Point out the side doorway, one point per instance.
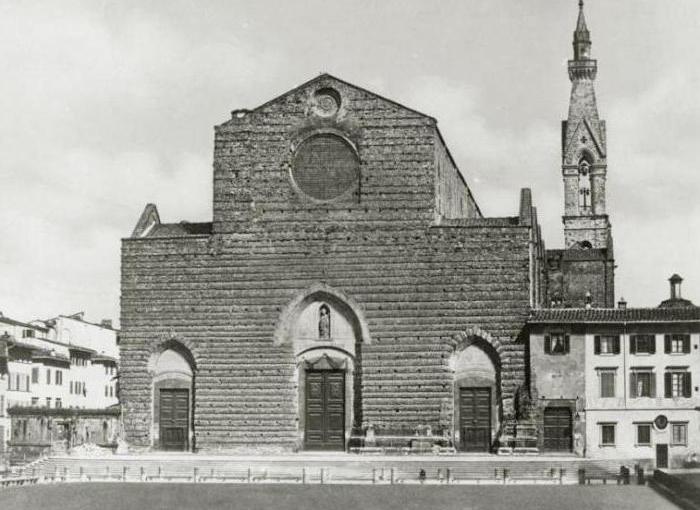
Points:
(475, 419)
(558, 429)
(174, 419)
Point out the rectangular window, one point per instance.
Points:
(644, 434)
(59, 378)
(677, 383)
(679, 434)
(607, 344)
(607, 383)
(111, 391)
(48, 376)
(642, 383)
(48, 401)
(28, 333)
(556, 343)
(607, 434)
(59, 403)
(35, 401)
(35, 375)
(676, 344)
(642, 344)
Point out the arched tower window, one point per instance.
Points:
(584, 185)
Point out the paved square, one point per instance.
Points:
(127, 496)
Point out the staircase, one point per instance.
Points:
(337, 468)
(519, 437)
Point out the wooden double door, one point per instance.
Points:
(475, 419)
(174, 419)
(558, 429)
(325, 410)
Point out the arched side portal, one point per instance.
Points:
(476, 394)
(326, 330)
(173, 371)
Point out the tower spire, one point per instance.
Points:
(582, 37)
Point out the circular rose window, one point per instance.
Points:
(325, 166)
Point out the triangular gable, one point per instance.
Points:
(583, 128)
(327, 79)
(148, 219)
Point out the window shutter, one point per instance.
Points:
(686, 344)
(566, 343)
(597, 344)
(616, 345)
(652, 390)
(548, 344)
(633, 344)
(668, 382)
(667, 343)
(652, 344)
(633, 384)
(687, 385)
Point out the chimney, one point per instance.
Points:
(622, 304)
(106, 323)
(675, 282)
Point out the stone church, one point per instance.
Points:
(349, 291)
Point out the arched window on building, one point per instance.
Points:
(584, 185)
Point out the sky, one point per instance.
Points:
(106, 106)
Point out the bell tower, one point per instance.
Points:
(582, 274)
(584, 153)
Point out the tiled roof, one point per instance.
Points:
(614, 315)
(180, 229)
(13, 322)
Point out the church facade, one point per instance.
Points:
(348, 292)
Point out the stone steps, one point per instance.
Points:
(340, 468)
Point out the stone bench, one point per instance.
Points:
(23, 480)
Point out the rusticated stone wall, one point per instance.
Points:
(418, 285)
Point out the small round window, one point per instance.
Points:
(325, 167)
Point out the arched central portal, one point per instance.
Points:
(326, 331)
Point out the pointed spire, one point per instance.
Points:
(582, 37)
(581, 23)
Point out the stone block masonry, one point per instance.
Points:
(418, 282)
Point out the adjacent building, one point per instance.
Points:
(48, 368)
(620, 382)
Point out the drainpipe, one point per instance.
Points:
(623, 348)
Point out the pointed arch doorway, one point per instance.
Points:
(173, 399)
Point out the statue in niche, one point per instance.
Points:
(324, 323)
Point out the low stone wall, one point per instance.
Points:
(680, 492)
(38, 431)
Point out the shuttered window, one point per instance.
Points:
(642, 344)
(676, 344)
(642, 383)
(678, 384)
(557, 343)
(607, 344)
